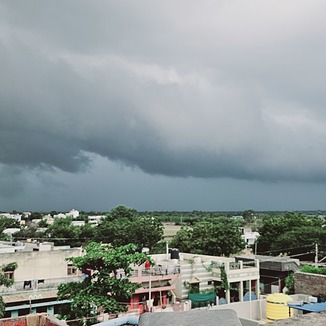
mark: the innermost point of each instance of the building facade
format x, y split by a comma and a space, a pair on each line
41, 268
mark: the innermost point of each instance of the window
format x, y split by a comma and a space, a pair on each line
194, 288
71, 270
9, 275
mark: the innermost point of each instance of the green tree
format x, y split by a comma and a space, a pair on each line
85, 234
143, 231
104, 289
5, 281
248, 216
183, 239
6, 223
283, 233
122, 212
28, 231
42, 224
217, 236
62, 232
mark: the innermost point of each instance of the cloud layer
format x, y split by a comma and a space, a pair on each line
221, 89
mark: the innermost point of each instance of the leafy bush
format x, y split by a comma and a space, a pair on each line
289, 283
313, 270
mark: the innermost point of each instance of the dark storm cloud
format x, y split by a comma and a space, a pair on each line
226, 89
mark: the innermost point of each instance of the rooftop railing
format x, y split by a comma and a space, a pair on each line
37, 285
156, 271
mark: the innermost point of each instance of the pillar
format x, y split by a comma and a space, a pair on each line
50, 310
132, 302
14, 313
227, 296
257, 289
241, 291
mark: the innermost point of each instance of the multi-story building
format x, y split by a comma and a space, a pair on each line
173, 277
166, 284
95, 220
41, 268
249, 236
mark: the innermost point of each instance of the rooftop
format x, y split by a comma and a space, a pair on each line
225, 317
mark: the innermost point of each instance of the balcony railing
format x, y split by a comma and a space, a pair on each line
234, 268
156, 271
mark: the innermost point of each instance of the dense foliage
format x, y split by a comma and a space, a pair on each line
121, 226
107, 287
5, 281
313, 269
216, 236
290, 233
143, 231
7, 223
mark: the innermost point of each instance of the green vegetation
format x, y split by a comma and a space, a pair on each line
214, 236
143, 231
289, 283
107, 287
213, 233
313, 269
290, 233
6, 281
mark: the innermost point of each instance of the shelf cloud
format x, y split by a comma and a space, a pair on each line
225, 89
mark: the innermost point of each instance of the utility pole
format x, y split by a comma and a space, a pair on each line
316, 254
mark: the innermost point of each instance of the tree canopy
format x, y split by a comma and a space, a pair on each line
5, 281
103, 289
217, 236
290, 233
120, 229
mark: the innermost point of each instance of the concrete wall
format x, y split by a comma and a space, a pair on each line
187, 272
39, 264
313, 284
248, 322
251, 310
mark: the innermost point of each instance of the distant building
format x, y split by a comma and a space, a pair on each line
94, 220
249, 236
78, 223
16, 217
73, 213
60, 215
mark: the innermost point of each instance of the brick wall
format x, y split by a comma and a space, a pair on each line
307, 283
33, 319
19, 321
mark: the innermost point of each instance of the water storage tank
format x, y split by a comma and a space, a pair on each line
277, 306
174, 253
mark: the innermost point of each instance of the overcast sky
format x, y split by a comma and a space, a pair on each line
162, 105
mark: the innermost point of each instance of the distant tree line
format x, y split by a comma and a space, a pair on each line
214, 233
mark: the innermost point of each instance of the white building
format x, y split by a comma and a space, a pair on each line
202, 273
95, 220
40, 270
73, 213
78, 223
249, 236
60, 215
16, 217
